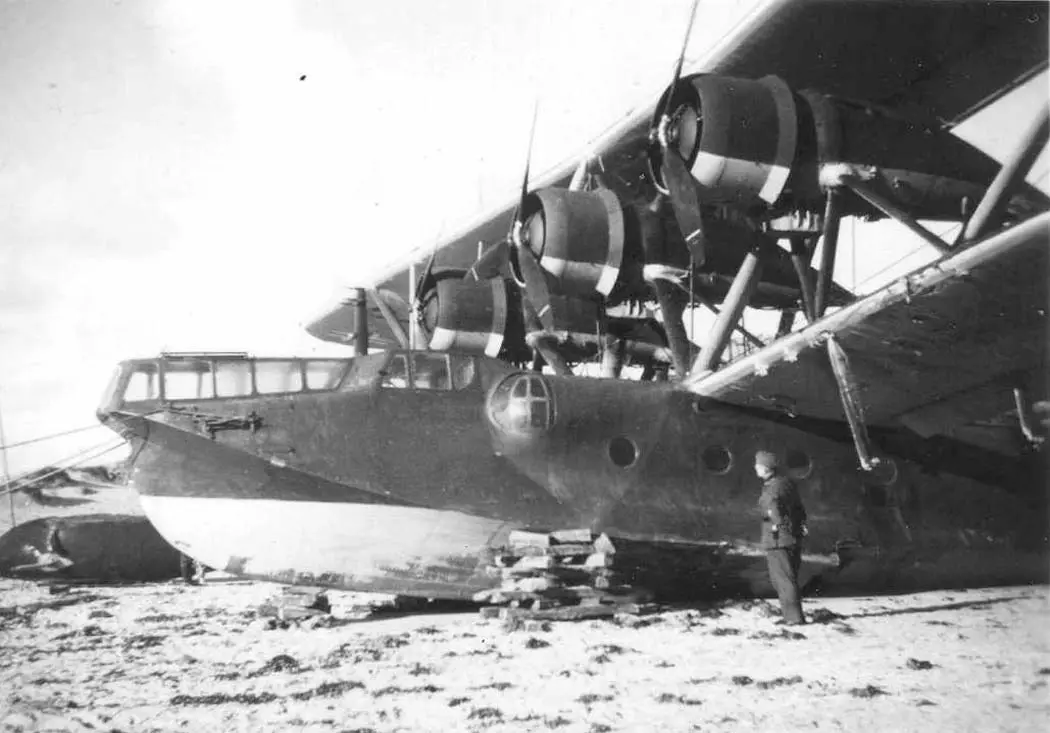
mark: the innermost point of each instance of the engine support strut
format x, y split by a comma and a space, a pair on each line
884, 204
744, 284
832, 219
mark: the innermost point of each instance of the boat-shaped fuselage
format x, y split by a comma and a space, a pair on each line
403, 472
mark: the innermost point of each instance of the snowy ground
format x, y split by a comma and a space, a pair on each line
175, 657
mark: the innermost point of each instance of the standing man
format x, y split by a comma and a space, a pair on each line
783, 527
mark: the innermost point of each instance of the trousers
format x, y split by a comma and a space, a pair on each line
784, 563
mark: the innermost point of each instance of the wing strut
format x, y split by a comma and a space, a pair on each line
390, 317
1010, 176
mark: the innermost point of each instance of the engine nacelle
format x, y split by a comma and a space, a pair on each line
486, 318
757, 143
578, 237
466, 316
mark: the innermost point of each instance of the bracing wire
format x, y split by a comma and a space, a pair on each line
51, 436
16, 484
901, 259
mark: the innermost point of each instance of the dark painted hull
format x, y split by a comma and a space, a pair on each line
382, 503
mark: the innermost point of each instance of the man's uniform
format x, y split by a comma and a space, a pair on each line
783, 519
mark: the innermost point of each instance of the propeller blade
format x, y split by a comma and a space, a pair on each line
685, 204
520, 212
536, 287
424, 278
490, 264
681, 60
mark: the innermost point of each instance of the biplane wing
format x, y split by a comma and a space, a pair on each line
939, 60
945, 351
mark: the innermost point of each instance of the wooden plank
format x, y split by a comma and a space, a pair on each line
572, 536
604, 544
599, 560
521, 538
570, 549
534, 562
565, 613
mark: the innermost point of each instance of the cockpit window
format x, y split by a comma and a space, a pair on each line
464, 369
429, 371
188, 380
233, 378
278, 376
325, 374
143, 384
204, 376
396, 373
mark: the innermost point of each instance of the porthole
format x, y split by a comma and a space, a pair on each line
799, 464
717, 459
623, 452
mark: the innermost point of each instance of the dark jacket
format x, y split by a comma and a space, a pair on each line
781, 508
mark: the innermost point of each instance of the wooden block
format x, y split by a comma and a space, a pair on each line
580, 536
574, 613
489, 612
638, 609
521, 538
534, 562
604, 544
531, 550
599, 560
534, 585
489, 595
570, 549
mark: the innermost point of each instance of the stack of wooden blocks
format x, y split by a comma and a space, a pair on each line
564, 575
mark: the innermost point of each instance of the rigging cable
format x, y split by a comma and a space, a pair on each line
10, 487
49, 437
906, 255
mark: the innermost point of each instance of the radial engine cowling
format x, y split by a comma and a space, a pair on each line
757, 143
466, 316
577, 236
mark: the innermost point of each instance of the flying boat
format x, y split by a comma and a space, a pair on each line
907, 416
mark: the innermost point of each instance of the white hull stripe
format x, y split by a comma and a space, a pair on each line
349, 545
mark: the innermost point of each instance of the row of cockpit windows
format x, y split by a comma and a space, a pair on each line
201, 379
428, 371
197, 379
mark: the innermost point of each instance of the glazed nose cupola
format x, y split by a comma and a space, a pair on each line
522, 405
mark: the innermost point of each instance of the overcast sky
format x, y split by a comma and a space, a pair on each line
205, 174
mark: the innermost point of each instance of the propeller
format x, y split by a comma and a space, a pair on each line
490, 264
423, 286
676, 177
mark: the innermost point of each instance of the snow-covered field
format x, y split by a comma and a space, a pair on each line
176, 657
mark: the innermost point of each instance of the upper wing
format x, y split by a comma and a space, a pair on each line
938, 351
939, 60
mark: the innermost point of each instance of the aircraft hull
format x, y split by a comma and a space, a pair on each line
324, 523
